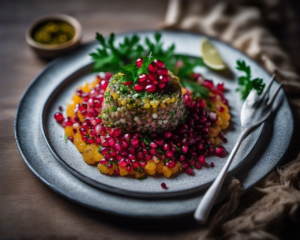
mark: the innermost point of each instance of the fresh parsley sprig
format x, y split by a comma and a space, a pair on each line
134, 71
109, 57
245, 82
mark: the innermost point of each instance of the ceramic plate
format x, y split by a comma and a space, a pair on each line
259, 153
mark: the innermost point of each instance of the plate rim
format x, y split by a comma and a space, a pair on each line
17, 121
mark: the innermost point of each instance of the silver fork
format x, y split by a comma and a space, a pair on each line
256, 109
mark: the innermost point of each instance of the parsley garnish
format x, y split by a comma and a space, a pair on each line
245, 82
146, 139
142, 178
109, 56
66, 138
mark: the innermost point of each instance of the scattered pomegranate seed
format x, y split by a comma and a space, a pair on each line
220, 87
164, 186
139, 62
128, 83
220, 151
212, 164
59, 117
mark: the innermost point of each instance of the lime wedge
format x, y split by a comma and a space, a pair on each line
211, 56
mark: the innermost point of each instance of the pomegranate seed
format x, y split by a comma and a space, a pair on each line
169, 154
127, 137
103, 84
162, 71
128, 83
208, 83
128, 168
104, 150
98, 140
220, 151
161, 85
225, 140
68, 123
117, 171
166, 147
159, 142
145, 151
138, 87
107, 156
134, 141
198, 165
201, 159
142, 163
152, 151
192, 162
168, 134
181, 158
190, 171
159, 63
164, 186
109, 166
136, 135
150, 88
124, 144
135, 165
79, 92
148, 157
103, 161
225, 101
59, 117
171, 164
185, 148
212, 164
152, 67
185, 165
119, 157
164, 78
122, 162
220, 87
139, 62
84, 138
142, 78
153, 145
152, 76
105, 144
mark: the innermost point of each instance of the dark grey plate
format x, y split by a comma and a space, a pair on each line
55, 85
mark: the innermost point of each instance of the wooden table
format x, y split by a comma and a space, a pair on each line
28, 208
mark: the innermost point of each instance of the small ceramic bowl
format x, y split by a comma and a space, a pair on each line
52, 51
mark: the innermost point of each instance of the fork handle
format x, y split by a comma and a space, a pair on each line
202, 212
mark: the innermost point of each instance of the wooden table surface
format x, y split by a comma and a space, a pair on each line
28, 208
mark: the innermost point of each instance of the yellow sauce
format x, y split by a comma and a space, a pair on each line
53, 32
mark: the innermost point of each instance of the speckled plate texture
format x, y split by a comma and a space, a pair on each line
61, 167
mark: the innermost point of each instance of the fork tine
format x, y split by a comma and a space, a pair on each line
271, 100
267, 88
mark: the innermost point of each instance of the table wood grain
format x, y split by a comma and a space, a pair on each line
28, 208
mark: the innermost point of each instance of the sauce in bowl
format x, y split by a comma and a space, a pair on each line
53, 32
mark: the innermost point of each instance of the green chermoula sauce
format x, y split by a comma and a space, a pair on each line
53, 32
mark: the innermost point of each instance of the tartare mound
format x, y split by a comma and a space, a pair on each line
143, 111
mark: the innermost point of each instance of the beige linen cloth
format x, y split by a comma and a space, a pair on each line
265, 210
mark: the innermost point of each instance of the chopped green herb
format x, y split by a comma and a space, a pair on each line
245, 82
142, 178
66, 138
146, 139
114, 109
